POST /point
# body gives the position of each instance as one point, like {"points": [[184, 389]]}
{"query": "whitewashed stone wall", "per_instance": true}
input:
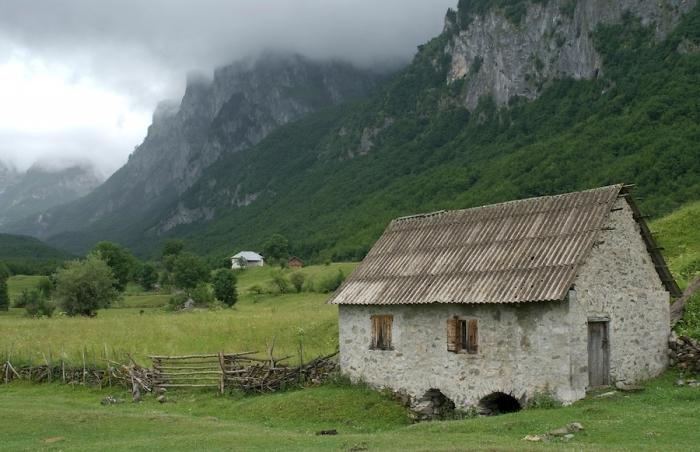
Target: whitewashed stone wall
{"points": [[618, 280], [525, 348], [522, 349]]}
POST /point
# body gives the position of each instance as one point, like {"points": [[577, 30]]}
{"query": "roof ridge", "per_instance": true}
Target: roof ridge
{"points": [[504, 203]]}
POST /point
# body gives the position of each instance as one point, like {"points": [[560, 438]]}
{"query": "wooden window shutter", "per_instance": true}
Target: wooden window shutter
{"points": [[388, 321], [376, 328], [473, 336], [453, 335], [381, 331]]}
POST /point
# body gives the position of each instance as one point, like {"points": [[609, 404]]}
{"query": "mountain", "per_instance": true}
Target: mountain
{"points": [[27, 255], [240, 106], [38, 189], [514, 99]]}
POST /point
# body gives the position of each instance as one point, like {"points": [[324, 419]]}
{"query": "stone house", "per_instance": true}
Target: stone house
{"points": [[487, 307], [246, 259]]}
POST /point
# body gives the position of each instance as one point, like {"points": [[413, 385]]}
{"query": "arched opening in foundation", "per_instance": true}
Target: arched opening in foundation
{"points": [[434, 405], [498, 403]]}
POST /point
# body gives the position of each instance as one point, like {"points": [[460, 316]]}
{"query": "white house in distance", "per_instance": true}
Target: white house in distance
{"points": [[246, 259], [487, 307]]}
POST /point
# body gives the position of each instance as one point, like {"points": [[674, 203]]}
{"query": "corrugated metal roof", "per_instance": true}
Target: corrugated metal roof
{"points": [[250, 256], [518, 251]]}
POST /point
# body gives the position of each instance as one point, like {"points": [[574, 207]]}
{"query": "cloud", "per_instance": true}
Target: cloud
{"points": [[102, 66]]}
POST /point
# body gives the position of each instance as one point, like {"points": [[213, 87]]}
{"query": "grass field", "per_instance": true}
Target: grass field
{"points": [[140, 326], [53, 417]]}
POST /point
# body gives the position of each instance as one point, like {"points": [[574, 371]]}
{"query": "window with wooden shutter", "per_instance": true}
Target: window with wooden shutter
{"points": [[462, 335], [381, 332], [453, 336]]}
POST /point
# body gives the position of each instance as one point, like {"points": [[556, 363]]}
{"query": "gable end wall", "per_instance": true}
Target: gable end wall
{"points": [[618, 280]]}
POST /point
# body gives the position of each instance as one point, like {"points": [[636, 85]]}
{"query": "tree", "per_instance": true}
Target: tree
{"points": [[188, 271], [85, 286], [225, 287], [276, 247], [4, 293], [297, 279], [171, 250], [147, 276], [119, 260]]}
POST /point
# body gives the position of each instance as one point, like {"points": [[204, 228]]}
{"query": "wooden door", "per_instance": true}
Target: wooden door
{"points": [[598, 354]]}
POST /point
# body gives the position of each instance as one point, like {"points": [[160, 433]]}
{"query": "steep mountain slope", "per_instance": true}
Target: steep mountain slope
{"points": [[331, 182], [38, 189], [241, 105], [515, 98]]}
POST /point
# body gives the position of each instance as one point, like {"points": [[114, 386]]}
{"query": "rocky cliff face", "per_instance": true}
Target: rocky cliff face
{"points": [[493, 55], [233, 111], [23, 194]]}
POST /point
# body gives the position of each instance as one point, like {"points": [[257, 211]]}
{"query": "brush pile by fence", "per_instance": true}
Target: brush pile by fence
{"points": [[223, 371], [685, 353]]}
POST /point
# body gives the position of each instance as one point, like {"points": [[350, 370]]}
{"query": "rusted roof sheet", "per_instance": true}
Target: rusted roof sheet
{"points": [[518, 251]]}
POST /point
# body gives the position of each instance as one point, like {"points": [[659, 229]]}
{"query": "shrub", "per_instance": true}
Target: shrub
{"points": [[202, 295], [46, 286], [256, 289], [544, 399], [224, 283], [35, 304], [331, 283], [281, 283], [177, 301], [297, 279], [85, 286]]}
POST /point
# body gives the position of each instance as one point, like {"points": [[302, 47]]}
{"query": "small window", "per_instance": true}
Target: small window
{"points": [[381, 332], [463, 335]]}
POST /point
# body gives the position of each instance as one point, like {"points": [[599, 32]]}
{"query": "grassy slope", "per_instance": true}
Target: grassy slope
{"points": [[254, 321], [663, 417]]}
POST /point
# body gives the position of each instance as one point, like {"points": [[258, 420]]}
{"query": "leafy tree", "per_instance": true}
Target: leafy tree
{"points": [[276, 247], [147, 276], [280, 281], [173, 247], [297, 279], [4, 293], [225, 286], [85, 286], [171, 250], [119, 260], [189, 270]]}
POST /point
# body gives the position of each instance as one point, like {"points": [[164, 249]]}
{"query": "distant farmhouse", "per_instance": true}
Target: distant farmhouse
{"points": [[295, 263], [246, 259], [487, 307]]}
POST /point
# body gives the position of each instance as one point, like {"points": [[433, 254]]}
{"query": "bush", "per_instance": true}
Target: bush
{"points": [[544, 399], [224, 283], [202, 295], [281, 283], [256, 289], [46, 286], [297, 279], [35, 304], [331, 283], [85, 286], [177, 301]]}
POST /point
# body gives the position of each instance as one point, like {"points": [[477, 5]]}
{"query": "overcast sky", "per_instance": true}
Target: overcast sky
{"points": [[79, 79]]}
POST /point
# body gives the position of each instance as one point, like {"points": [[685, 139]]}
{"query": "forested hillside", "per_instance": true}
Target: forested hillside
{"points": [[637, 122], [27, 255], [331, 181]]}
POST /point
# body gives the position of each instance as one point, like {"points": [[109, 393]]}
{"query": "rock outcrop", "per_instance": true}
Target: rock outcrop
{"points": [[554, 39]]}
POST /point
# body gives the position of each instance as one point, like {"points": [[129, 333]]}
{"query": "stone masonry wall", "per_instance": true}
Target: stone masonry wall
{"points": [[523, 349], [618, 281]]}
